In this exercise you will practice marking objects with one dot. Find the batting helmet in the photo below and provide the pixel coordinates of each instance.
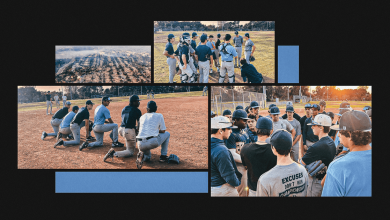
(173, 159)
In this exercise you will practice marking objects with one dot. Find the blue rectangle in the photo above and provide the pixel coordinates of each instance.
(288, 64)
(131, 182)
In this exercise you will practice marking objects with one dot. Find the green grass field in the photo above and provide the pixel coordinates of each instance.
(97, 101)
(264, 54)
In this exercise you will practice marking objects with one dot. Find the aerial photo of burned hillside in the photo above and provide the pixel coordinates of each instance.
(103, 64)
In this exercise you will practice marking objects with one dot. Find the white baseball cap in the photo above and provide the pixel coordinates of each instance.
(221, 122)
(322, 120)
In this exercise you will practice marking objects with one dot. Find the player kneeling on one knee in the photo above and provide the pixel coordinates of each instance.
(80, 119)
(56, 120)
(128, 128)
(101, 114)
(151, 135)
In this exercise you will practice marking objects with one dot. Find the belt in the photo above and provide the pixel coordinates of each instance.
(227, 61)
(140, 139)
(237, 46)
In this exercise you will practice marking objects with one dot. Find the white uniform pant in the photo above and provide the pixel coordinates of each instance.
(224, 190)
(226, 67)
(55, 124)
(129, 134)
(204, 68)
(314, 189)
(75, 128)
(187, 75)
(172, 68)
(247, 56)
(217, 56)
(48, 104)
(239, 52)
(146, 145)
(99, 133)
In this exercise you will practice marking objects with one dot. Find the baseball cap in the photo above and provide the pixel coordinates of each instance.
(236, 32)
(274, 111)
(315, 106)
(89, 102)
(369, 112)
(322, 120)
(134, 98)
(345, 105)
(289, 108)
(218, 35)
(74, 108)
(194, 34)
(342, 111)
(240, 114)
(281, 139)
(322, 102)
(366, 108)
(151, 104)
(105, 98)
(221, 122)
(68, 103)
(246, 34)
(308, 105)
(271, 106)
(354, 121)
(264, 123)
(254, 104)
(289, 103)
(186, 33)
(203, 38)
(331, 114)
(239, 107)
(212, 113)
(171, 36)
(226, 112)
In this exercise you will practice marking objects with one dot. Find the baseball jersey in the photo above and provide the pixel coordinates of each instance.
(302, 121)
(252, 135)
(284, 181)
(101, 114)
(231, 52)
(82, 114)
(248, 70)
(61, 113)
(169, 48)
(130, 115)
(192, 50)
(193, 44)
(295, 115)
(56, 97)
(258, 158)
(323, 150)
(184, 50)
(308, 132)
(63, 97)
(282, 124)
(223, 166)
(350, 175)
(203, 52)
(238, 41)
(237, 135)
(48, 97)
(211, 45)
(248, 45)
(67, 119)
(297, 127)
(150, 125)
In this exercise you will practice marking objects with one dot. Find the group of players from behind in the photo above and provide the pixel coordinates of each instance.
(148, 130)
(254, 155)
(192, 57)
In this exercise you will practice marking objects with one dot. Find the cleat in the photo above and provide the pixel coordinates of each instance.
(163, 158)
(117, 144)
(90, 138)
(84, 145)
(140, 158)
(235, 66)
(109, 154)
(43, 135)
(59, 143)
(59, 136)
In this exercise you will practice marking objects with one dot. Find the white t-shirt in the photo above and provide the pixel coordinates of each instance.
(56, 97)
(150, 124)
(63, 97)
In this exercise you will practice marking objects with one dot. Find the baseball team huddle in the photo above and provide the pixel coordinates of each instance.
(192, 57)
(254, 155)
(148, 130)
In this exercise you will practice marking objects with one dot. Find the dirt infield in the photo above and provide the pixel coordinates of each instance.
(185, 119)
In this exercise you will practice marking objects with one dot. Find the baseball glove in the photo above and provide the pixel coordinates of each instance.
(252, 58)
(316, 168)
(339, 148)
(173, 159)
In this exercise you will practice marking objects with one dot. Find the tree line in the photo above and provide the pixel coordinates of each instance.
(228, 26)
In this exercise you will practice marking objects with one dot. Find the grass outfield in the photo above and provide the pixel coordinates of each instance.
(264, 53)
(97, 101)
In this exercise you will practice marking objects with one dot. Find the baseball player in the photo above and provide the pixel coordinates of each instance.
(56, 98)
(49, 103)
(228, 114)
(184, 60)
(324, 149)
(152, 94)
(351, 175)
(148, 94)
(152, 133)
(213, 114)
(63, 100)
(238, 41)
(254, 109)
(186, 37)
(249, 71)
(204, 88)
(297, 126)
(211, 44)
(171, 61)
(251, 127)
(225, 177)
(287, 178)
(257, 157)
(101, 115)
(235, 142)
(204, 55)
(56, 120)
(80, 119)
(269, 116)
(227, 52)
(296, 116)
(322, 107)
(248, 48)
(193, 45)
(65, 124)
(308, 137)
(340, 149)
(332, 133)
(128, 129)
(302, 122)
(216, 52)
(278, 123)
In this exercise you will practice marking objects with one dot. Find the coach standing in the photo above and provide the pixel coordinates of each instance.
(49, 103)
(168, 52)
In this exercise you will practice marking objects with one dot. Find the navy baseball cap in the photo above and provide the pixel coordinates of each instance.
(74, 108)
(186, 33)
(281, 139)
(218, 35)
(68, 103)
(264, 123)
(236, 32)
(316, 106)
(308, 105)
(194, 34)
(89, 102)
(203, 38)
(152, 104)
(354, 121)
(106, 98)
(134, 98)
(226, 112)
(246, 34)
(271, 106)
(274, 111)
(254, 104)
(289, 108)
(240, 114)
(171, 36)
(239, 107)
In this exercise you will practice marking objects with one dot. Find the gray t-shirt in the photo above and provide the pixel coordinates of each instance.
(238, 41)
(248, 45)
(282, 124)
(297, 126)
(284, 181)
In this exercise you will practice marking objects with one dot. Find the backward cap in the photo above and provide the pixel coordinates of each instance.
(221, 122)
(354, 121)
(226, 112)
(281, 139)
(264, 123)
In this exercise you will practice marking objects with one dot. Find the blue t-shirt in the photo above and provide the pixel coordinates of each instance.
(350, 175)
(223, 166)
(101, 114)
(68, 118)
(202, 51)
(169, 48)
(231, 52)
(209, 44)
(130, 115)
(237, 135)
